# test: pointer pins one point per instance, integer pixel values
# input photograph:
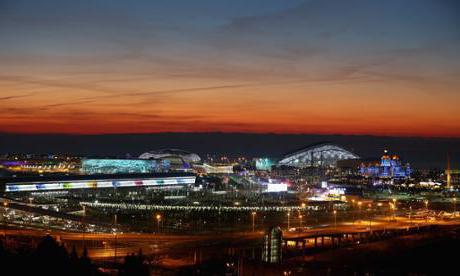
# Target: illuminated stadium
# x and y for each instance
(317, 155)
(172, 154)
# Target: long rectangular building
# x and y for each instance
(36, 184)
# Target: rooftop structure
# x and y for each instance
(186, 156)
(213, 169)
(317, 155)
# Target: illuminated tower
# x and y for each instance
(385, 164)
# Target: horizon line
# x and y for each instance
(230, 133)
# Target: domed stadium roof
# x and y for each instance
(186, 156)
(317, 155)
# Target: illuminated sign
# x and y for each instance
(95, 184)
(276, 188)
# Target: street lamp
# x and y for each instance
(410, 215)
(253, 221)
(359, 205)
(289, 220)
(335, 219)
(158, 217)
(454, 203)
(426, 209)
(353, 210)
(83, 224)
(300, 221)
(370, 216)
(115, 234)
(392, 209)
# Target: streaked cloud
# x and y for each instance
(359, 66)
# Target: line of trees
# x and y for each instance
(51, 258)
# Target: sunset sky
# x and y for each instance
(329, 67)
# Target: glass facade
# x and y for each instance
(264, 164)
(116, 166)
(272, 250)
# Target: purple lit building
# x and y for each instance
(388, 167)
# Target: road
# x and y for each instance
(103, 245)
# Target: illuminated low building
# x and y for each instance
(44, 184)
(273, 186)
(264, 164)
(213, 169)
(41, 166)
(388, 167)
(117, 166)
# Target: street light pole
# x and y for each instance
(370, 217)
(300, 221)
(83, 225)
(115, 233)
(359, 205)
(454, 202)
(353, 210)
(410, 215)
(253, 221)
(289, 220)
(335, 220)
(426, 209)
(158, 217)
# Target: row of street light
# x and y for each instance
(392, 204)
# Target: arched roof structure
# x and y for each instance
(317, 155)
(186, 156)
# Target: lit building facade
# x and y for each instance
(77, 182)
(264, 164)
(388, 167)
(118, 166)
(272, 250)
(213, 169)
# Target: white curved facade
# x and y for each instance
(319, 155)
(171, 153)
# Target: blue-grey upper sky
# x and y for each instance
(317, 66)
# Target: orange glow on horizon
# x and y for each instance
(99, 104)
